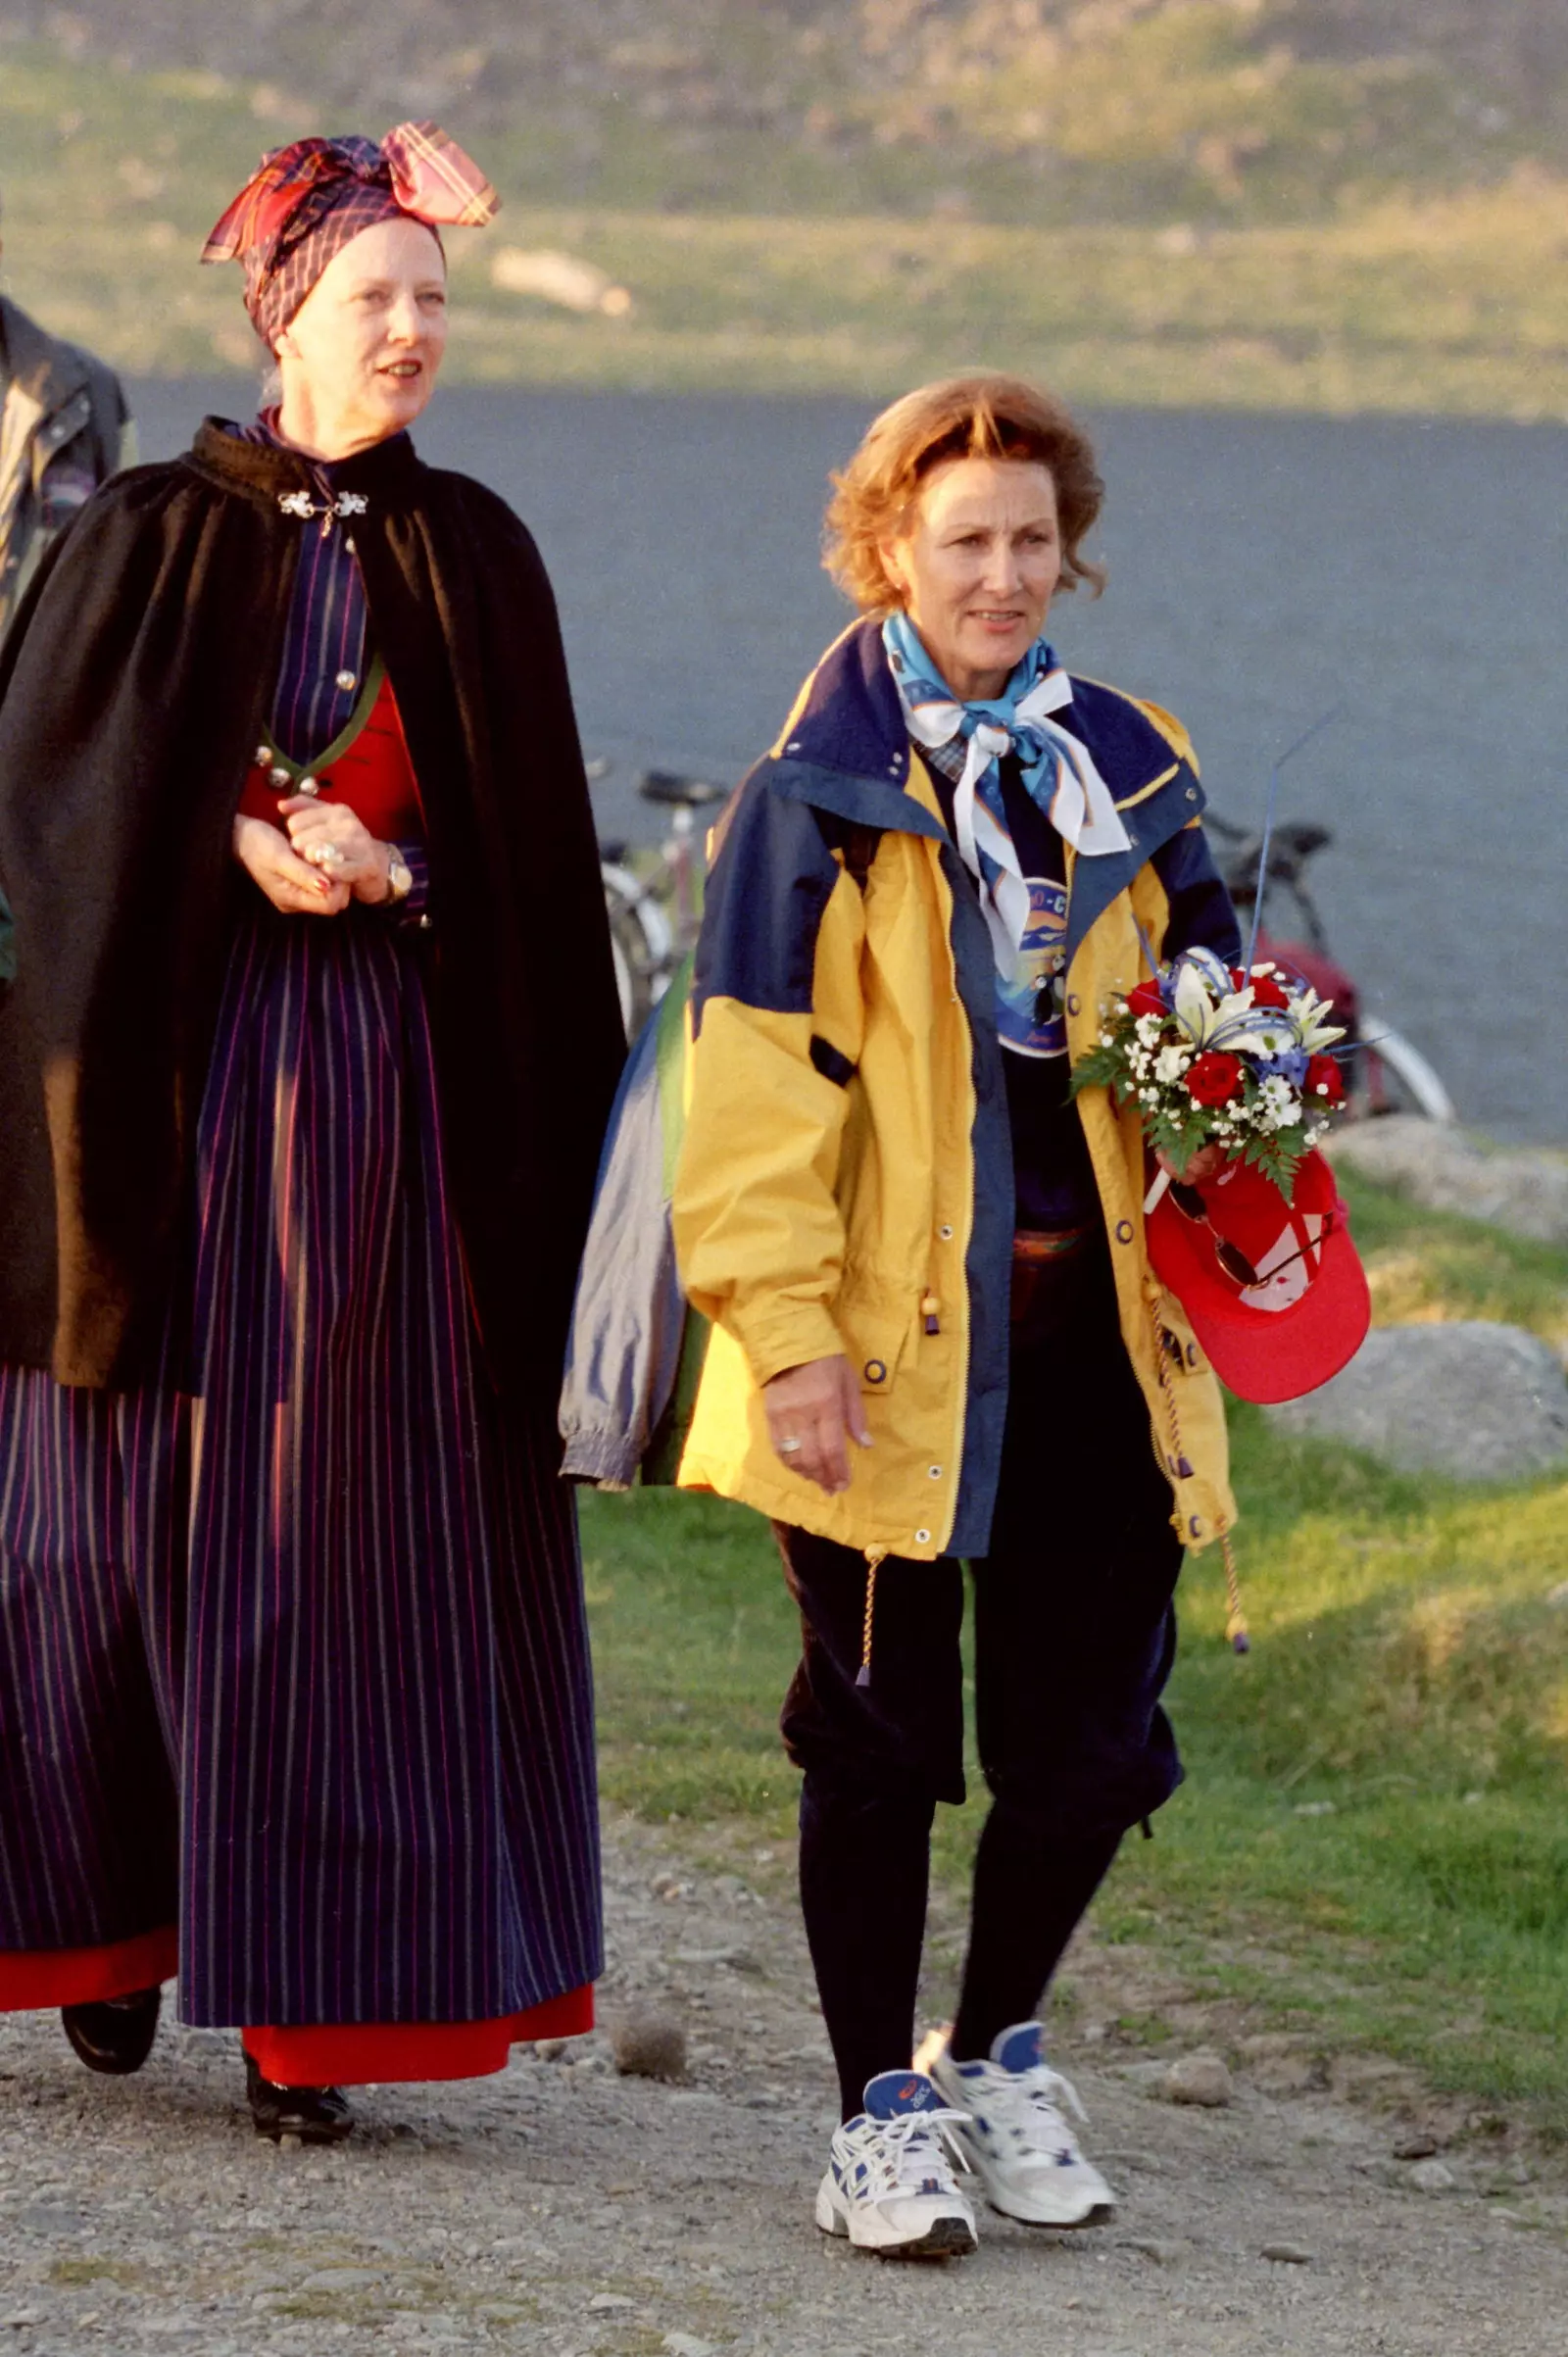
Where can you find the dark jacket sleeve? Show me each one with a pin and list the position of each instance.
(1201, 916)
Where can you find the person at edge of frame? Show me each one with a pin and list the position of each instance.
(64, 427)
(297, 1147)
(936, 1332)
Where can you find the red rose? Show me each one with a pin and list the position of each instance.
(1214, 1078)
(1266, 992)
(1324, 1080)
(1146, 999)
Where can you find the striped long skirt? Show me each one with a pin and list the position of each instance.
(294, 1677)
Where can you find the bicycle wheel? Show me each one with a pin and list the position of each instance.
(1398, 1079)
(639, 945)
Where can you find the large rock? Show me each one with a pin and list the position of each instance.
(1481, 1401)
(1523, 1188)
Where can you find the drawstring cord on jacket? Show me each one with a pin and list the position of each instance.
(873, 1563)
(1236, 1629)
(1235, 1618)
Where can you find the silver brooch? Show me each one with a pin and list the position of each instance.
(300, 503)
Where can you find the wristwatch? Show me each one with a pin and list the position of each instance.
(399, 877)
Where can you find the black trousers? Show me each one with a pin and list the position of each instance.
(1074, 1637)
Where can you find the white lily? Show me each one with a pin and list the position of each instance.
(1214, 1014)
(1258, 1031)
(1202, 999)
(1311, 1032)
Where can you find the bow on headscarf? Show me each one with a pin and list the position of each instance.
(1057, 769)
(309, 199)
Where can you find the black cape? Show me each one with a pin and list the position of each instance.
(133, 690)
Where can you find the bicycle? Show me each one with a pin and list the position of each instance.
(654, 897)
(1384, 1072)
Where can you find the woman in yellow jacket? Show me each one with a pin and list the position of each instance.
(936, 1332)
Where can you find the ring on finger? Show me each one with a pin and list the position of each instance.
(791, 1447)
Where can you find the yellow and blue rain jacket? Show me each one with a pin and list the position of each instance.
(817, 1147)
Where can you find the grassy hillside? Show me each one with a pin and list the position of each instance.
(1064, 110)
(1162, 213)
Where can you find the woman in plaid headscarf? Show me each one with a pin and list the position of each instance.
(297, 1137)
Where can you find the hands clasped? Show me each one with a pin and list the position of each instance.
(327, 858)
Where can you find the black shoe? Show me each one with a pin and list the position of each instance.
(316, 2115)
(115, 2035)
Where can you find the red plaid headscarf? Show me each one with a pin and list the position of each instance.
(309, 199)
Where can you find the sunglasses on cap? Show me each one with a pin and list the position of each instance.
(1230, 1256)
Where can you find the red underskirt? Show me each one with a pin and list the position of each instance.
(33, 1979)
(375, 2053)
(316, 2054)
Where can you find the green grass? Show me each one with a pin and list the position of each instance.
(694, 1647)
(1407, 296)
(1204, 110)
(1410, 1670)
(1425, 1264)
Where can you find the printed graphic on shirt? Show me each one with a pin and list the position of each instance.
(1029, 1015)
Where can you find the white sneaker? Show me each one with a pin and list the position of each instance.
(1013, 2132)
(888, 2184)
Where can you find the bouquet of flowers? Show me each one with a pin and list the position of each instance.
(1217, 1055)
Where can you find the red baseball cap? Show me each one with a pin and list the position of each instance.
(1306, 1312)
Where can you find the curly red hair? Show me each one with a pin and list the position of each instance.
(987, 415)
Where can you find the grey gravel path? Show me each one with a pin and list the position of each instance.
(560, 2208)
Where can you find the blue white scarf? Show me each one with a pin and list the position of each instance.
(1057, 769)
